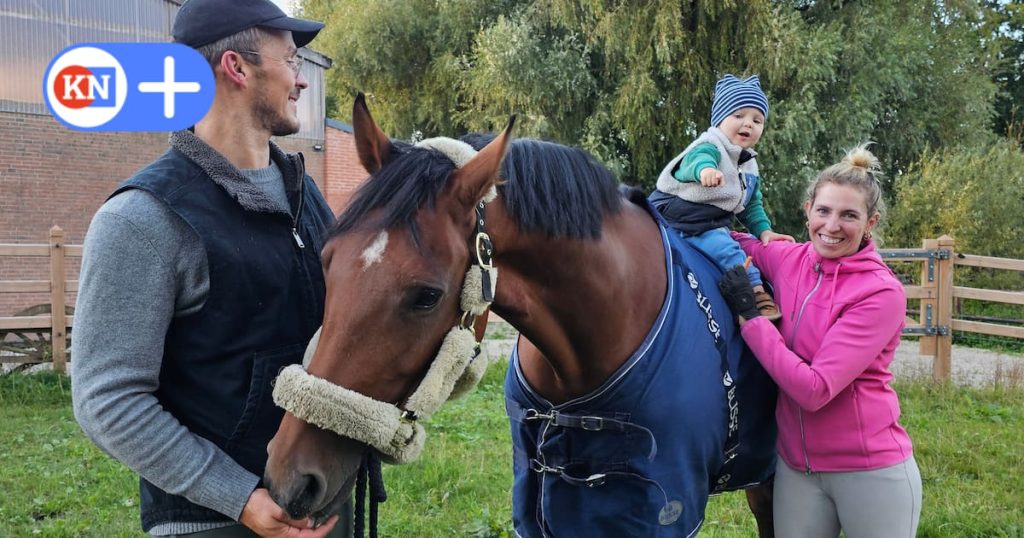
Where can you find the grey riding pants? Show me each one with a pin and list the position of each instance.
(882, 503)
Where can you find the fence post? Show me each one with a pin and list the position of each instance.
(929, 285)
(58, 318)
(941, 365)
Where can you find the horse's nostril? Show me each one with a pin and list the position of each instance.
(313, 486)
(308, 490)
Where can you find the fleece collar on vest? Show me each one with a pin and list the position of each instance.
(730, 195)
(737, 153)
(229, 178)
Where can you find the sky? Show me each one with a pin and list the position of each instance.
(285, 5)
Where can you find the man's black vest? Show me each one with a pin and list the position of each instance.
(266, 300)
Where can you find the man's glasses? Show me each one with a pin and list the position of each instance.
(295, 64)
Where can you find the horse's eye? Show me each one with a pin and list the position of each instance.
(426, 298)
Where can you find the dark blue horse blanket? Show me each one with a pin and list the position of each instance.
(640, 455)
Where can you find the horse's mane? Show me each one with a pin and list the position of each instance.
(412, 178)
(560, 191)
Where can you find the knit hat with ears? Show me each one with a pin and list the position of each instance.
(732, 94)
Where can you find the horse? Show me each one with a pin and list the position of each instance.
(630, 395)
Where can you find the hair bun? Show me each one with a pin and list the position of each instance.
(861, 157)
(859, 169)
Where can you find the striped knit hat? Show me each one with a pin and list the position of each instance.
(732, 94)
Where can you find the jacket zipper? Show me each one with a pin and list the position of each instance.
(792, 340)
(298, 211)
(743, 190)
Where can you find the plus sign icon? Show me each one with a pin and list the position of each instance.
(128, 87)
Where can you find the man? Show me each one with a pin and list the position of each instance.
(200, 279)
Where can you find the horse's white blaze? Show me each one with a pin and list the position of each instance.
(375, 252)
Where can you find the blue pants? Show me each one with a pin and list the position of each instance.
(721, 247)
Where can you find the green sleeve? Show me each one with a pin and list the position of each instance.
(753, 216)
(701, 157)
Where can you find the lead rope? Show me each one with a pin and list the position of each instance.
(369, 472)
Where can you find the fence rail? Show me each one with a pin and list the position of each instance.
(934, 325)
(57, 322)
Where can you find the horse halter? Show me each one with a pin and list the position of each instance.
(395, 431)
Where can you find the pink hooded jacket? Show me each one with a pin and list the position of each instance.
(830, 356)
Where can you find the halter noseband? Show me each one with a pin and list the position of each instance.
(395, 431)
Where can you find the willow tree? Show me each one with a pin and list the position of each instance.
(631, 81)
(1006, 26)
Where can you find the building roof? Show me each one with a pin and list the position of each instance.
(340, 125)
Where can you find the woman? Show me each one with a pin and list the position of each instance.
(845, 461)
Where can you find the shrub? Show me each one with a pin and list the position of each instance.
(975, 195)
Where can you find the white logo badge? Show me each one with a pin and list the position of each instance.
(86, 87)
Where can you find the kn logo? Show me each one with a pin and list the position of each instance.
(128, 87)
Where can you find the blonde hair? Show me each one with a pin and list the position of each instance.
(859, 169)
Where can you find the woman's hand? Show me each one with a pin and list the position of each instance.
(768, 236)
(737, 291)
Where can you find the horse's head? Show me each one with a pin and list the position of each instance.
(394, 266)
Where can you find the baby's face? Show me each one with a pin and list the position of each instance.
(743, 127)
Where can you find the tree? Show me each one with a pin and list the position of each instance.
(1006, 26)
(907, 75)
(974, 195)
(632, 81)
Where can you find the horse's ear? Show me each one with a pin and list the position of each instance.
(472, 181)
(372, 145)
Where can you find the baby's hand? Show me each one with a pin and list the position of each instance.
(709, 177)
(768, 236)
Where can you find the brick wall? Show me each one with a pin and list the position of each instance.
(50, 175)
(314, 158)
(343, 171)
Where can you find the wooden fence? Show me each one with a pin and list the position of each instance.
(57, 322)
(935, 323)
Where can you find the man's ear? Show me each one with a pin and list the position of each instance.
(233, 68)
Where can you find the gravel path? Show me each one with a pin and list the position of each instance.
(970, 366)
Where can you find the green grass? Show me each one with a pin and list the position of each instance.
(968, 445)
(55, 483)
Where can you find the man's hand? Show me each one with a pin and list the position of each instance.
(709, 177)
(768, 236)
(264, 517)
(737, 291)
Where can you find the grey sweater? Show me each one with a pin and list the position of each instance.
(142, 266)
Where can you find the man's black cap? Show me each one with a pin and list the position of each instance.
(201, 22)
